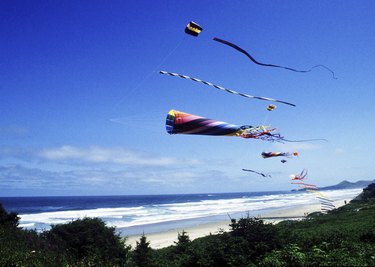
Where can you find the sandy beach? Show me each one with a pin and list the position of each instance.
(167, 238)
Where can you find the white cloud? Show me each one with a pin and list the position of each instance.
(100, 181)
(68, 170)
(96, 154)
(168, 177)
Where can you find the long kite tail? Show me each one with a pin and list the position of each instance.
(224, 89)
(247, 170)
(304, 140)
(269, 65)
(262, 174)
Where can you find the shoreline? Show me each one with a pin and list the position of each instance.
(167, 238)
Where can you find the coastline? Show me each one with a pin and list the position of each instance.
(167, 238)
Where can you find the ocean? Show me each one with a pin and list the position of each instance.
(137, 214)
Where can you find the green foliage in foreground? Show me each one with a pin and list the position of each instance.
(344, 237)
(83, 242)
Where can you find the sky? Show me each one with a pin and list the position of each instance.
(83, 106)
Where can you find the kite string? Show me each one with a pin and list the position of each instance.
(169, 54)
(265, 119)
(146, 77)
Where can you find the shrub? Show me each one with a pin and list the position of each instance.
(88, 240)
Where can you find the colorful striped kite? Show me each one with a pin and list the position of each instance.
(306, 186)
(178, 122)
(266, 155)
(326, 204)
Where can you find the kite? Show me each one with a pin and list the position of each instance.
(224, 89)
(262, 174)
(306, 186)
(193, 28)
(271, 107)
(269, 65)
(325, 203)
(300, 176)
(178, 122)
(266, 155)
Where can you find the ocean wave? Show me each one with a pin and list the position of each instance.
(123, 217)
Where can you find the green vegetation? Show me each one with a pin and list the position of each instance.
(83, 242)
(344, 237)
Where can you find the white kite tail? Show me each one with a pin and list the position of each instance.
(224, 89)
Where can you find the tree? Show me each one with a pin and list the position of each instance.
(254, 230)
(88, 241)
(183, 242)
(260, 237)
(142, 256)
(184, 254)
(8, 219)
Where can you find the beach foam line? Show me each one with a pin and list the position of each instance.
(201, 211)
(296, 212)
(151, 214)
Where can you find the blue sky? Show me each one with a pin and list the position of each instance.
(82, 107)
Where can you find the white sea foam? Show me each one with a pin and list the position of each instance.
(153, 214)
(27, 225)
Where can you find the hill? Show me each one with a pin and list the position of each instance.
(348, 185)
(367, 194)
